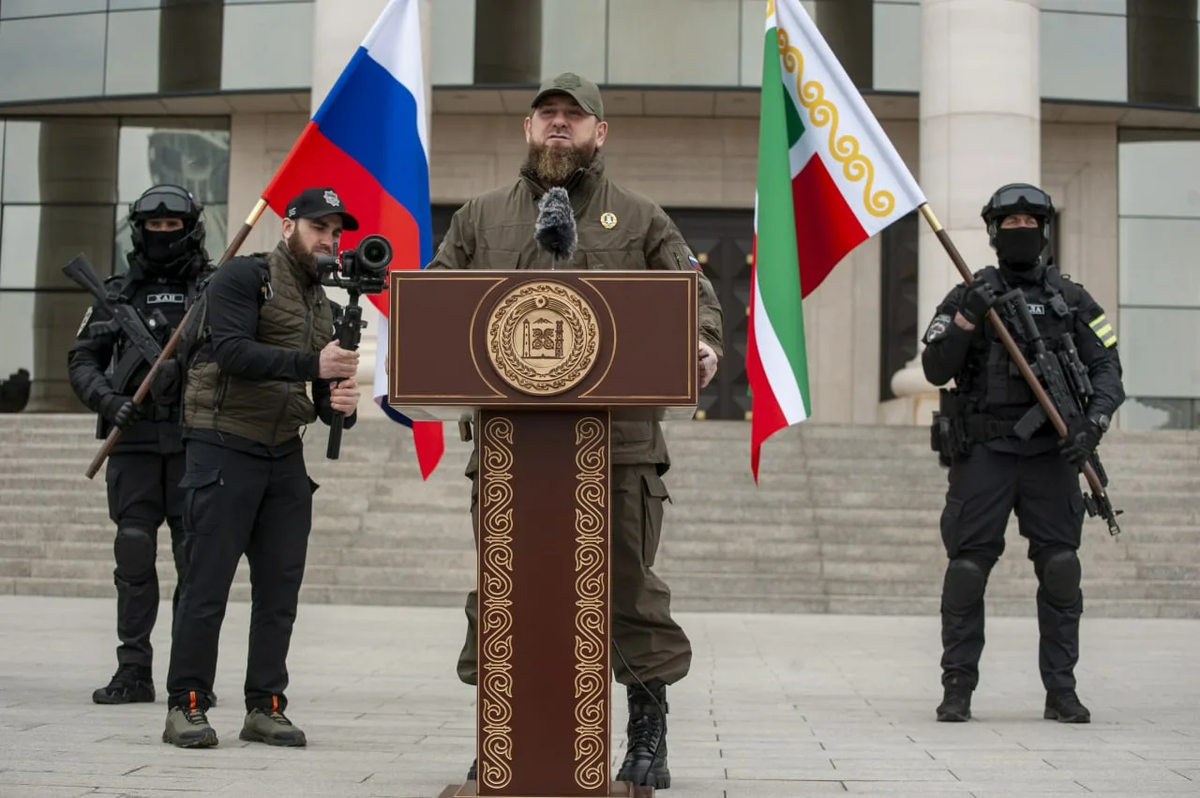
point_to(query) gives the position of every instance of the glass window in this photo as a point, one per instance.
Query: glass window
(1146, 413)
(1160, 351)
(1157, 177)
(896, 63)
(122, 5)
(1083, 56)
(1114, 7)
(38, 329)
(706, 33)
(11, 9)
(283, 60)
(1157, 258)
(131, 65)
(573, 37)
(69, 159)
(52, 57)
(452, 38)
(36, 241)
(188, 152)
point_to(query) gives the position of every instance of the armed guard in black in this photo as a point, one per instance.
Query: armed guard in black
(1004, 455)
(110, 358)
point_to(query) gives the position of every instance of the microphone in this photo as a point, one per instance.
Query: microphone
(555, 227)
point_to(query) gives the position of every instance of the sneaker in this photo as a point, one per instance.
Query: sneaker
(187, 727)
(131, 684)
(272, 728)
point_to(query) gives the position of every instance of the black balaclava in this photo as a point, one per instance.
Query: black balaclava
(1020, 248)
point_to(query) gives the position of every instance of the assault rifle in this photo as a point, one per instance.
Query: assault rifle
(1067, 383)
(123, 317)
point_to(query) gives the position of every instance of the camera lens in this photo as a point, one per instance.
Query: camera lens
(375, 253)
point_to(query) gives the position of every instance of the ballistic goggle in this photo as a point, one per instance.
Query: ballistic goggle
(1019, 198)
(168, 199)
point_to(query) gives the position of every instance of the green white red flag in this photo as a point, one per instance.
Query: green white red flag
(828, 179)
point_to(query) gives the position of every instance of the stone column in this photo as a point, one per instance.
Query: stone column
(980, 128)
(339, 27)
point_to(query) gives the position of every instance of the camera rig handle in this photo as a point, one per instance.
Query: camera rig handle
(349, 336)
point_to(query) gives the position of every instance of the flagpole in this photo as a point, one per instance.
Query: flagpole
(1017, 357)
(173, 343)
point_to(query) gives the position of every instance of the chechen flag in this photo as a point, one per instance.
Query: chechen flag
(368, 141)
(828, 179)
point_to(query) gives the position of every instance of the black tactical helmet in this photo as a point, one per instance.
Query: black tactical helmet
(167, 200)
(1018, 198)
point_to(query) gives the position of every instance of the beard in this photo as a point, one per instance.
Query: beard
(553, 166)
(307, 256)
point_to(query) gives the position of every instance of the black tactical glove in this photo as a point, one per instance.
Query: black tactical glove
(119, 410)
(1083, 436)
(980, 298)
(166, 383)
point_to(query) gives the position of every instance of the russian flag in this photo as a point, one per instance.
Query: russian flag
(368, 141)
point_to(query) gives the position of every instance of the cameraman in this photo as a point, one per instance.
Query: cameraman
(167, 262)
(268, 329)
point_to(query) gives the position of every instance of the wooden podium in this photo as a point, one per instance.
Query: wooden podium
(546, 360)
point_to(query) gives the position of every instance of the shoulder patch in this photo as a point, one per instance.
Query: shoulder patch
(1104, 330)
(937, 327)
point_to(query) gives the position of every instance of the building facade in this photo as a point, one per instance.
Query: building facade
(1094, 100)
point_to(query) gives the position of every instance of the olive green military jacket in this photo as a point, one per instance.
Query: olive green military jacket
(616, 228)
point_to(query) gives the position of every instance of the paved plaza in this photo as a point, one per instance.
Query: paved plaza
(775, 706)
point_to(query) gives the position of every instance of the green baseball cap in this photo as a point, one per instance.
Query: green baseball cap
(582, 90)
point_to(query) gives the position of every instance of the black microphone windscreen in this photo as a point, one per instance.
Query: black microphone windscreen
(555, 227)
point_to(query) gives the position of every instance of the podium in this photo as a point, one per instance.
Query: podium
(546, 361)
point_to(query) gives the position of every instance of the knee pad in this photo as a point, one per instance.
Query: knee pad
(135, 553)
(964, 584)
(1060, 575)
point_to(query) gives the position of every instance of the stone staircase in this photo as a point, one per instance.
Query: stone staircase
(844, 520)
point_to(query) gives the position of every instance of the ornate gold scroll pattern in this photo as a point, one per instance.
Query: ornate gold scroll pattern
(844, 149)
(591, 638)
(495, 585)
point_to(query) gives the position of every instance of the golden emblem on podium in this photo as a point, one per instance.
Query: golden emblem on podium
(543, 338)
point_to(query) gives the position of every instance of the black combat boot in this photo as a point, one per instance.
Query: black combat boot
(130, 684)
(956, 702)
(646, 754)
(1064, 706)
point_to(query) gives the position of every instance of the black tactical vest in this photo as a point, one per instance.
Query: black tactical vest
(994, 381)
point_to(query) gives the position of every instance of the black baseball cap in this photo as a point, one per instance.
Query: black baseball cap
(313, 203)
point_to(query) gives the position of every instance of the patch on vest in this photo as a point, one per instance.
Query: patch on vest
(937, 327)
(165, 299)
(1036, 308)
(1103, 329)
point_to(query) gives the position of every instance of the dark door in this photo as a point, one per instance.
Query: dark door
(723, 241)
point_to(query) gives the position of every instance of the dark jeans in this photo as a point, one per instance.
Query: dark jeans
(240, 504)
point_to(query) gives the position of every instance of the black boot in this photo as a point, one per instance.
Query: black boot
(1064, 706)
(956, 702)
(472, 775)
(646, 754)
(130, 684)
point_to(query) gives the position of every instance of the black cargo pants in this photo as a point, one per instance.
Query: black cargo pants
(643, 630)
(143, 491)
(238, 504)
(1043, 490)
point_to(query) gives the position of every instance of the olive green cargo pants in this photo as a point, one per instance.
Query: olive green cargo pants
(642, 628)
